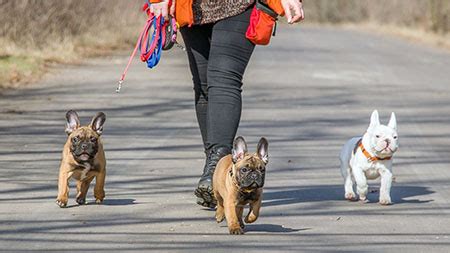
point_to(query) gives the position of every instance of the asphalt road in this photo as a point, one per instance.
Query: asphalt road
(308, 92)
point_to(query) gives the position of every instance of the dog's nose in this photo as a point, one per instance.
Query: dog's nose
(84, 146)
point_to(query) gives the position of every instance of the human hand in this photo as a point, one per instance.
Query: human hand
(162, 8)
(293, 7)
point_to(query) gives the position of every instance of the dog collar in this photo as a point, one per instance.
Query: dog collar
(366, 153)
(231, 175)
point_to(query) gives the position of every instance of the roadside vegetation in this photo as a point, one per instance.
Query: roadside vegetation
(35, 34)
(425, 21)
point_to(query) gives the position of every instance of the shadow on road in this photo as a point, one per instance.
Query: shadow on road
(119, 202)
(399, 194)
(271, 228)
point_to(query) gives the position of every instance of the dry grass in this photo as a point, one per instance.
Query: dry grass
(426, 21)
(35, 32)
(427, 15)
(412, 34)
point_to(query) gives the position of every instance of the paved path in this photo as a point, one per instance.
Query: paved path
(307, 93)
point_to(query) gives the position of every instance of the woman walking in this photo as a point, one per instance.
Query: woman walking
(218, 52)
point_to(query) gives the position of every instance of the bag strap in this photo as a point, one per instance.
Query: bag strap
(260, 5)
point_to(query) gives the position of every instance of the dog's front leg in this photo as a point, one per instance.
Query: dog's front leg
(240, 212)
(83, 187)
(63, 188)
(385, 188)
(254, 211)
(361, 184)
(232, 218)
(220, 213)
(99, 191)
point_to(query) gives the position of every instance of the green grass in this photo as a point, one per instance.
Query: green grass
(18, 69)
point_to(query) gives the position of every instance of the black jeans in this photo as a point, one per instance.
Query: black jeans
(218, 55)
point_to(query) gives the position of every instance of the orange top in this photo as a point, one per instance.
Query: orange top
(185, 16)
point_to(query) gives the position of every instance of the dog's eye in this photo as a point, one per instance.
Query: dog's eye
(395, 137)
(75, 139)
(244, 170)
(377, 136)
(93, 139)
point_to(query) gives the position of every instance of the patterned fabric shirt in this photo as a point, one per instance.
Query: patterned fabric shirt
(209, 11)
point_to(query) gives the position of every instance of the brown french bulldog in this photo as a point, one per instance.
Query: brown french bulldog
(237, 181)
(83, 158)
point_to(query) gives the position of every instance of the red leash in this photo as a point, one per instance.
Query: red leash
(163, 38)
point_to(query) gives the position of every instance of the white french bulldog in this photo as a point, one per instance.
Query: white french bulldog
(370, 157)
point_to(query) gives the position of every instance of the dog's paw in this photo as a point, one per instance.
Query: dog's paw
(363, 200)
(61, 203)
(81, 201)
(250, 218)
(385, 201)
(98, 201)
(236, 230)
(241, 223)
(350, 196)
(219, 218)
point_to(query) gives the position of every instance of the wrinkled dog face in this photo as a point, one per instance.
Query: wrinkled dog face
(383, 139)
(84, 140)
(84, 144)
(250, 170)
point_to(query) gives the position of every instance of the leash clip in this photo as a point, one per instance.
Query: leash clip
(180, 46)
(119, 86)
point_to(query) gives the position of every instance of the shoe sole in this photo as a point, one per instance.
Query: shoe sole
(205, 197)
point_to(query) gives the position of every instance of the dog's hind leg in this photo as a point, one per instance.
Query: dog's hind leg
(346, 173)
(348, 185)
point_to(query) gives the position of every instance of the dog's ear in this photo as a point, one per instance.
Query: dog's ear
(97, 122)
(239, 149)
(73, 122)
(393, 122)
(263, 150)
(374, 121)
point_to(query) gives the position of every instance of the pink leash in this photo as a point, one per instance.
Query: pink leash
(163, 38)
(122, 78)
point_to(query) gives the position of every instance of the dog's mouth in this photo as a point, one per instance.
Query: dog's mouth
(83, 151)
(256, 185)
(250, 188)
(251, 185)
(386, 149)
(385, 152)
(84, 156)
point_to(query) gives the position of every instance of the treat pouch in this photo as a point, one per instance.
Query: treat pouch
(262, 24)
